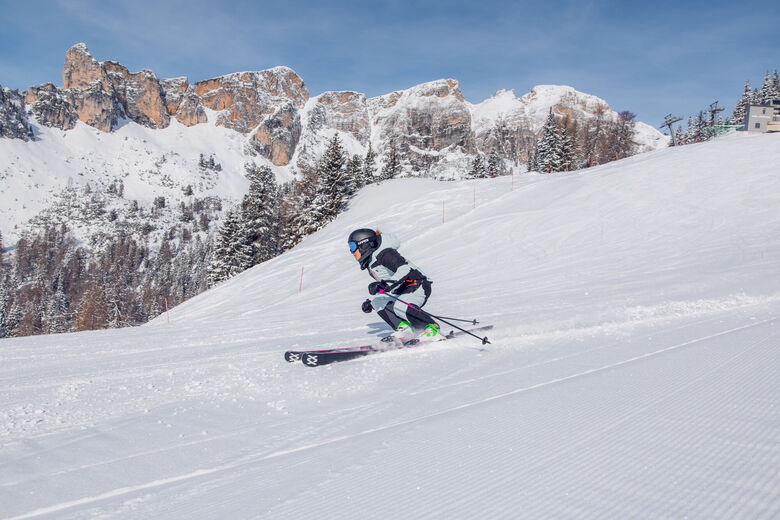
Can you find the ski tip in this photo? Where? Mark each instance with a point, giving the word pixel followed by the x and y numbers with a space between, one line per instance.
pixel 292 357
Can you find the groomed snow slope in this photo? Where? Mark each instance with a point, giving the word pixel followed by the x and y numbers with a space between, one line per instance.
pixel 633 370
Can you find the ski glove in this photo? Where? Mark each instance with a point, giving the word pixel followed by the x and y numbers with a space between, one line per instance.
pixel 374 287
pixel 367 306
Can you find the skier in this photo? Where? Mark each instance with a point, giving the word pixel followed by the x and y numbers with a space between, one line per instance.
pixel 395 275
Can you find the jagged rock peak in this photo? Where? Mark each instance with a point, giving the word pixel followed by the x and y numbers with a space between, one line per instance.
pixel 81 69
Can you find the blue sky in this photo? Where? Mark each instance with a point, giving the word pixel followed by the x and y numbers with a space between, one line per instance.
pixel 652 58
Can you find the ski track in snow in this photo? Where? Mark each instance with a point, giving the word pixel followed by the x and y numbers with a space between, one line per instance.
pixel 250 463
pixel 632 370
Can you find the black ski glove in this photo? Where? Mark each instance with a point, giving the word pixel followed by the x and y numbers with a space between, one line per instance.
pixel 367 306
pixel 374 287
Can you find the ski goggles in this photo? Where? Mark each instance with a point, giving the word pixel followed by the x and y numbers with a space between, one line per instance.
pixel 354 246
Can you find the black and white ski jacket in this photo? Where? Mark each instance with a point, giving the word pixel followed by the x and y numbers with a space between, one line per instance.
pixel 387 265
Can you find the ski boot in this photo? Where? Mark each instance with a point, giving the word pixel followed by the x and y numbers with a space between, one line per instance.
pixel 431 333
pixel 403 333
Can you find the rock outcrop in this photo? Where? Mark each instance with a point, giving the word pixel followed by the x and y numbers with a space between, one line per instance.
pixel 246 98
pixel 140 94
pixel 264 104
pixel 278 135
pixel 81 70
pixel 423 121
pixel 13 120
pixel 95 107
pixel 345 111
pixel 190 111
pixel 173 93
pixel 51 107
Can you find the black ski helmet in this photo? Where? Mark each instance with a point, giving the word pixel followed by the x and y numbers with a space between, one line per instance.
pixel 364 240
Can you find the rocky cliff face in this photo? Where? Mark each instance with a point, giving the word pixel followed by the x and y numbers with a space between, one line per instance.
pixel 273 110
pixel 264 104
pixel 423 121
pixel 13 121
pixel 51 107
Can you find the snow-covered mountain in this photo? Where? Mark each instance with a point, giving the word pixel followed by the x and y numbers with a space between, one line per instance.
pixel 107 125
pixel 632 370
pixel 532 108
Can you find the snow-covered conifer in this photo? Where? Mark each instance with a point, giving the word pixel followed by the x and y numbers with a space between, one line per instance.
pixel 495 164
pixel 567 150
pixel 232 254
pixel 392 166
pixel 478 170
pixel 354 171
pixel 679 137
pixel 549 148
pixel 369 166
pixel 260 213
pixel 740 110
pixel 333 186
pixel 767 92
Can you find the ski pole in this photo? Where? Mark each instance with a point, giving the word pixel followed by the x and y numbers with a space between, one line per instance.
pixel 483 340
pixel 473 322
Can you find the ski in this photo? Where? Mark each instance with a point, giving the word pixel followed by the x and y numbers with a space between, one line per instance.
pixel 319 357
pixel 292 356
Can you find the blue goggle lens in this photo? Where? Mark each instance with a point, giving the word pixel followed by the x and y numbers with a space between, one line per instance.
pixel 352 246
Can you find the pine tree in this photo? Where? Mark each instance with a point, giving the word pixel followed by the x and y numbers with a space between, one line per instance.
pixel 679 137
pixel 354 172
pixel 55 318
pixel 700 128
pixel 549 148
pixel 392 166
pixel 4 307
pixel 690 132
pixel 740 110
pixel 767 92
pixel 495 164
pixel 369 166
pixel 567 150
pixel 233 254
pixel 773 89
pixel 625 130
pixel 478 170
pixel 333 186
pixel 531 164
pixel 260 214
pixel 13 319
pixel 299 217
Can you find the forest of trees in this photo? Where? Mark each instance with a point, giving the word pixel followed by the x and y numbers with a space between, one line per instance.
pixel 55 285
pixel 566 143
pixel 49 283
